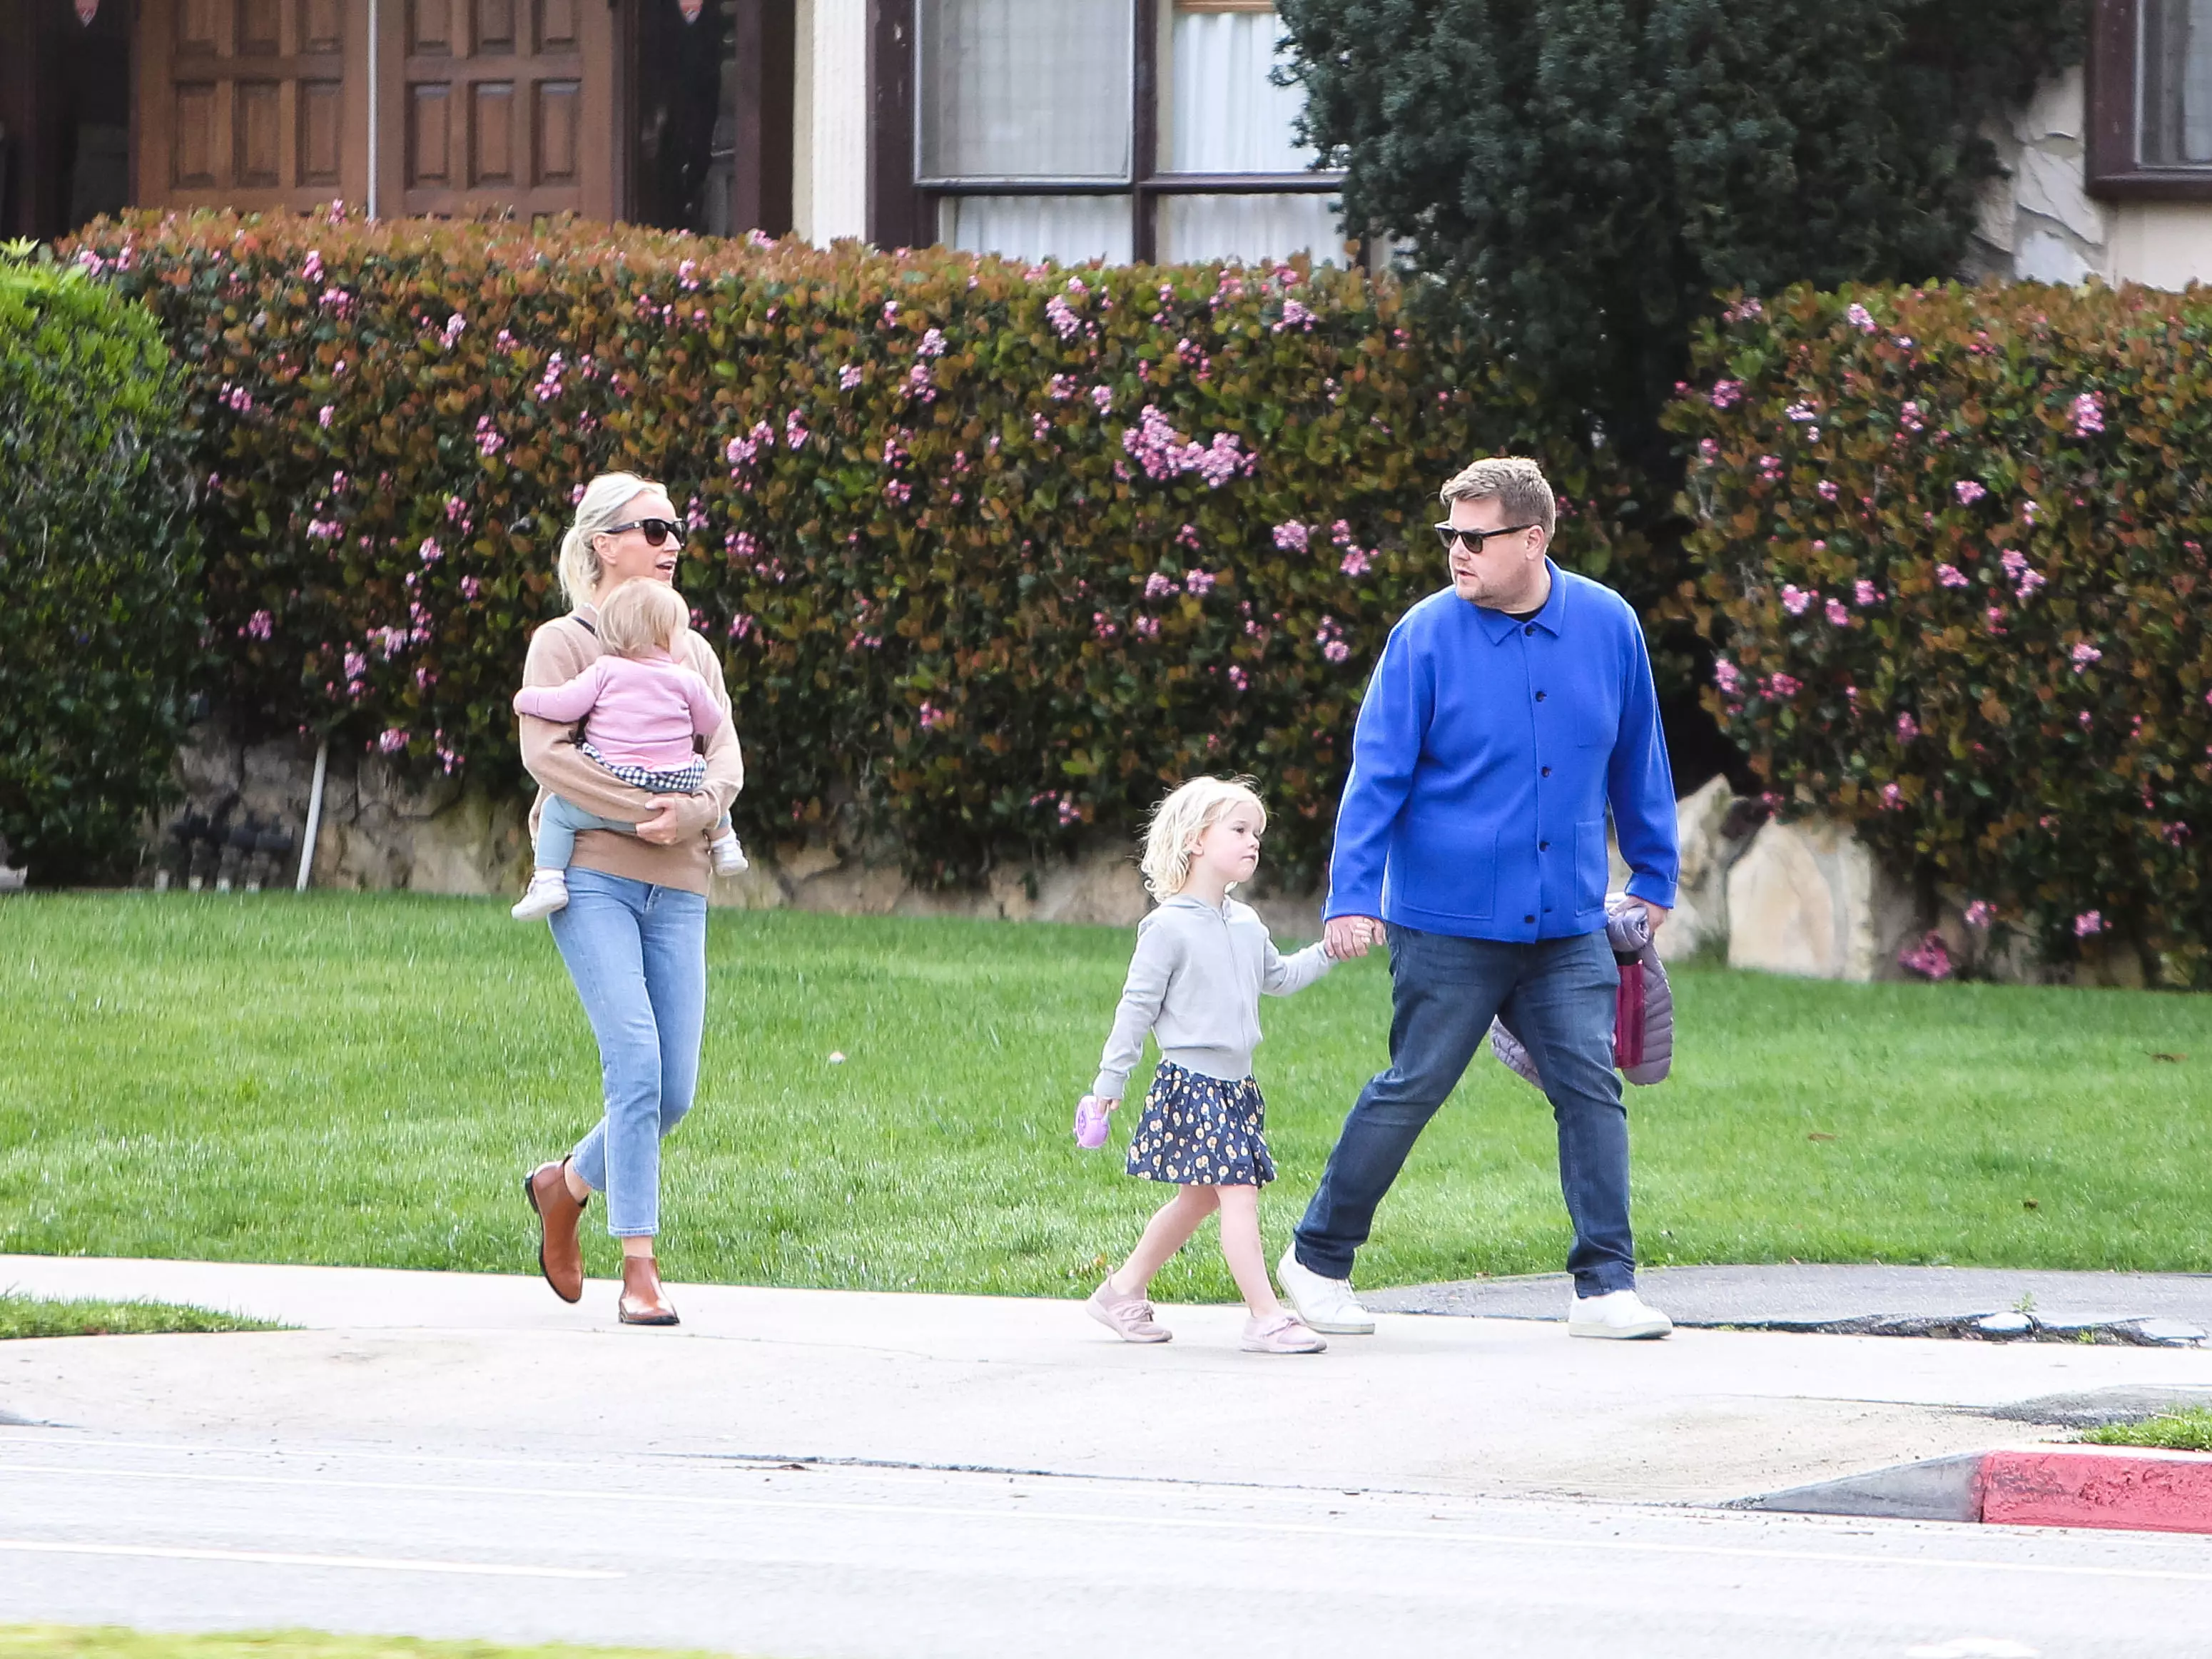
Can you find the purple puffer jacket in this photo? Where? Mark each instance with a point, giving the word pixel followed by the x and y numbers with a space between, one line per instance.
pixel 1643 1011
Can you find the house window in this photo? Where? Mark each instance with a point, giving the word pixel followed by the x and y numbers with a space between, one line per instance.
pixel 2150 100
pixel 2174 75
pixel 1122 129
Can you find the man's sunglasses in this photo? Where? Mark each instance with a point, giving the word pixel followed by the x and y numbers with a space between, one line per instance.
pixel 1451 536
pixel 657 531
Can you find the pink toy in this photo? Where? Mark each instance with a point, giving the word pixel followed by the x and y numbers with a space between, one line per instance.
pixel 1091 1123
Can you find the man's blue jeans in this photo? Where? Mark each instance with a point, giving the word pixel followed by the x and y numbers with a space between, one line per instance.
pixel 1559 997
pixel 638 954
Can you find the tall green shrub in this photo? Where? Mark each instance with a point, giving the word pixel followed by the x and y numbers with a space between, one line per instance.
pixel 100 617
pixel 1954 542
pixel 992 555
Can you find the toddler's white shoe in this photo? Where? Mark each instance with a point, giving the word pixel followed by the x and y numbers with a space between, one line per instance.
pixel 729 856
pixel 1283 1332
pixel 548 891
pixel 1618 1314
pixel 1324 1304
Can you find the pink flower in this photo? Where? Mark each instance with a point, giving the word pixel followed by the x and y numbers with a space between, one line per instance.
pixel 2088 420
pixel 929 716
pixel 1893 797
pixel 2084 653
pixel 898 490
pixel 1838 616
pixel 393 740
pixel 1950 575
pixel 1237 677
pixel 1980 913
pixel 1726 394
pixel 488 440
pixel 1295 316
pixel 1786 685
pixel 1199 582
pixel 1065 323
pixel 1354 563
pixel 1995 617
pixel 1158 584
pixel 430 552
pixel 1336 651
pixel 932 343
pixel 1826 489
pixel 1188 536
pixel 848 377
pixel 323 418
pixel 1145 628
pixel 260 625
pixel 1060 388
pixel 1728 677
pixel 1968 491
pixel 1907 727
pixel 1103 625
pixel 470 587
pixel 1864 593
pixel 2175 834
pixel 1291 537
pixel 1860 319
pixel 1769 467
pixel 312 270
pixel 1795 599
pixel 1931 958
pixel 2088 923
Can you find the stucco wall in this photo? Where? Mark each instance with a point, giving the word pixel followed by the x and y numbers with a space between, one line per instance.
pixel 2039 223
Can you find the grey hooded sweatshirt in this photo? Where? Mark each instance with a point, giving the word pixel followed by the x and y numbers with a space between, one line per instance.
pixel 1195 983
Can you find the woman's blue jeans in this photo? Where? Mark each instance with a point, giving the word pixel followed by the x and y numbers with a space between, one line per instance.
pixel 638 955
pixel 1558 995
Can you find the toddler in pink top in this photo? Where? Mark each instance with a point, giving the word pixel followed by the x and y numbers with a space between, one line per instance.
pixel 641 709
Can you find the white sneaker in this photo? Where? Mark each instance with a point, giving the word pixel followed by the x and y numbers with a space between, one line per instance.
pixel 1325 1304
pixel 1620 1314
pixel 548 891
pixel 729 856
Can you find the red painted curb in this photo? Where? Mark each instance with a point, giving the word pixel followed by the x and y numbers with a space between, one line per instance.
pixel 2113 1486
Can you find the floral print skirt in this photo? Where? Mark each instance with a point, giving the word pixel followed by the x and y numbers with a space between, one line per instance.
pixel 1200 1130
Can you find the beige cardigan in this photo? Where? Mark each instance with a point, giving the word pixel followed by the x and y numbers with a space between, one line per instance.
pixel 560 651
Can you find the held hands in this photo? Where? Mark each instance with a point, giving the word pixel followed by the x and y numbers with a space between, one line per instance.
pixel 1346 937
pixel 662 825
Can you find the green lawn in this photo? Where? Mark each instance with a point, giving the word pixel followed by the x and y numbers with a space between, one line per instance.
pixel 33 1315
pixel 81 1642
pixel 2182 1430
pixel 364 1078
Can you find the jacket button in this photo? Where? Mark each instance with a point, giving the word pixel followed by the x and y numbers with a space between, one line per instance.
pixel 1543 847
pixel 1547 771
pixel 1530 629
pixel 1529 918
pixel 1540 696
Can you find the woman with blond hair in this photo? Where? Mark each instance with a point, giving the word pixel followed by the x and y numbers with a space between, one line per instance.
pixel 633 930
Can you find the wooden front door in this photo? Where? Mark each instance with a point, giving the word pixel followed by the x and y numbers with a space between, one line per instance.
pixel 250 104
pixel 499 106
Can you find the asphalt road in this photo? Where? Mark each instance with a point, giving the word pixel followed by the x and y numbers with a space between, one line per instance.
pixel 178 1532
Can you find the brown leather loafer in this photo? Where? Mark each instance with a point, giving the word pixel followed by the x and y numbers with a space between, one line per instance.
pixel 641 1302
pixel 560 1252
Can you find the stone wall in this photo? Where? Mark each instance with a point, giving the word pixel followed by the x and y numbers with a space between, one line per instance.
pixel 1803 898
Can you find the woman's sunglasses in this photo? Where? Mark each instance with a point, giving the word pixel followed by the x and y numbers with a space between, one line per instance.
pixel 1451 536
pixel 657 531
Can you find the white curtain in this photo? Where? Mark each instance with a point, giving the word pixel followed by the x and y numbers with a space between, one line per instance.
pixel 1026 88
pixel 1252 228
pixel 1221 113
pixel 1068 228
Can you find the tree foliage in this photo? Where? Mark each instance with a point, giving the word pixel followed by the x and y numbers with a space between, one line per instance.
pixel 1585 175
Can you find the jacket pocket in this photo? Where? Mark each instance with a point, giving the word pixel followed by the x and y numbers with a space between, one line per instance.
pixel 1458 879
pixel 1590 865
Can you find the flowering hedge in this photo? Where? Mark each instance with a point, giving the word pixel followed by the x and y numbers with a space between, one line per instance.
pixel 992 554
pixel 1953 542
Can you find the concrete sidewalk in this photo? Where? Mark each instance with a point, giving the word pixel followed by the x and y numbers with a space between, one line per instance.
pixel 1474 1406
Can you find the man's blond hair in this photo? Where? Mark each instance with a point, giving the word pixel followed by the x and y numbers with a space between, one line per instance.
pixel 1180 820
pixel 643 616
pixel 1516 483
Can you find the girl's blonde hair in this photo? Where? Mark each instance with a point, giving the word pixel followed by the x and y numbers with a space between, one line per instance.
pixel 602 504
pixel 1180 820
pixel 641 617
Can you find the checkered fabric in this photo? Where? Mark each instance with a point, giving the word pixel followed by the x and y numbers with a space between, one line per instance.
pixel 675 781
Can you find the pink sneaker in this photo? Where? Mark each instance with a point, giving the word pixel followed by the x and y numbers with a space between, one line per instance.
pixel 1092 1121
pixel 1129 1317
pixel 1284 1334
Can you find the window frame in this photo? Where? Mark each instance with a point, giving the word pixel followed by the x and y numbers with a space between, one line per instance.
pixel 1147 183
pixel 2114 117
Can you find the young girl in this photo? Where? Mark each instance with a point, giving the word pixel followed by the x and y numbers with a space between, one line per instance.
pixel 1202 961
pixel 642 711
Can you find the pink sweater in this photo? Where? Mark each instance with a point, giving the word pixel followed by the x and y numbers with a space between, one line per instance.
pixel 640 712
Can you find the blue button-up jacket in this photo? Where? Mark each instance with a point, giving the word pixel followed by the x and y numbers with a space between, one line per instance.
pixel 1486 753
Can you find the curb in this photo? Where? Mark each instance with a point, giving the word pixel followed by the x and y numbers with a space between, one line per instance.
pixel 2119 1488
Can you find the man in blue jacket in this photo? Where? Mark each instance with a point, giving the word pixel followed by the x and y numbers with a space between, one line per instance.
pixel 1508 712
